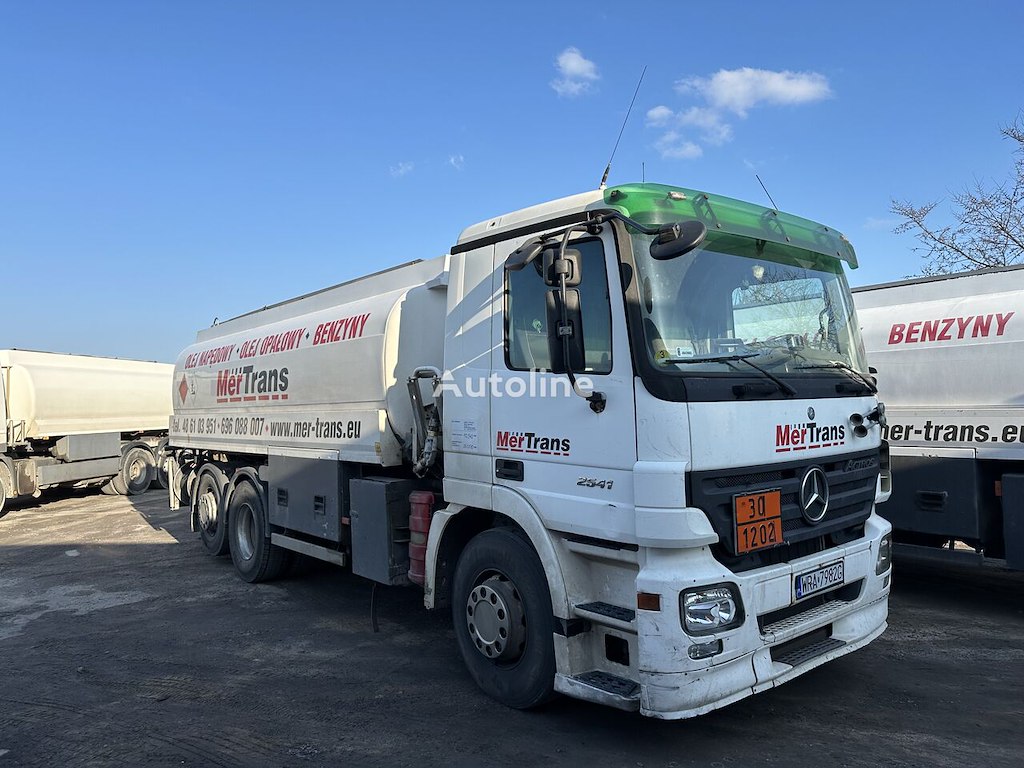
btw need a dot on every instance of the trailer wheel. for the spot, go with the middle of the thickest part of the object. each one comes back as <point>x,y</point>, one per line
<point>6,486</point>
<point>503,620</point>
<point>136,473</point>
<point>212,518</point>
<point>255,558</point>
<point>162,459</point>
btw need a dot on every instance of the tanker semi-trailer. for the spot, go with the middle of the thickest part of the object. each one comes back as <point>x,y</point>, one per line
<point>950,356</point>
<point>75,420</point>
<point>627,437</point>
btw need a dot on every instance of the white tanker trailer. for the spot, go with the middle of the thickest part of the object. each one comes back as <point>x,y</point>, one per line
<point>950,357</point>
<point>626,436</point>
<point>79,421</point>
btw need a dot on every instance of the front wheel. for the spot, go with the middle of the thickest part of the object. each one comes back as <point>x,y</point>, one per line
<point>501,608</point>
<point>255,558</point>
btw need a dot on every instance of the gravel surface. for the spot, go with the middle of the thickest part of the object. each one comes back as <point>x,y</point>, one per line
<point>122,642</point>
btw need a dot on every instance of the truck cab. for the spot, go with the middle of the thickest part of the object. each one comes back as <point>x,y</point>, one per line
<point>714,517</point>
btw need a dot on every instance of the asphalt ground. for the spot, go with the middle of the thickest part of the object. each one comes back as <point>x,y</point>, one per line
<point>123,643</point>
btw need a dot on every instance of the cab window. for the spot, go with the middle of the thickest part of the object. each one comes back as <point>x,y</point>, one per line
<point>526,321</point>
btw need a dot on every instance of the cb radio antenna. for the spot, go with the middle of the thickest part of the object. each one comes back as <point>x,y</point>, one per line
<point>766,191</point>
<point>608,167</point>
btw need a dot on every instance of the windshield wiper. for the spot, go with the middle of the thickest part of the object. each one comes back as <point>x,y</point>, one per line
<point>849,370</point>
<point>744,358</point>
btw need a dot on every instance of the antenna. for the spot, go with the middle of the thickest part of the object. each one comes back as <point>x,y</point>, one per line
<point>608,167</point>
<point>766,191</point>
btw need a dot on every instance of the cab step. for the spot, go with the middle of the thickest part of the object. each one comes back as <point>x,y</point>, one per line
<point>602,688</point>
<point>795,654</point>
<point>608,615</point>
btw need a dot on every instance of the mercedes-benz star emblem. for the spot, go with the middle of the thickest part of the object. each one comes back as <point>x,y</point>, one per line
<point>810,414</point>
<point>814,495</point>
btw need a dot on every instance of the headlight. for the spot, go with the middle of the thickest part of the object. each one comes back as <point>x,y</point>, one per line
<point>710,609</point>
<point>884,561</point>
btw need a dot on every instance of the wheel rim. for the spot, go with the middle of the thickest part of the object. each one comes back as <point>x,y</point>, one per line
<point>496,619</point>
<point>246,531</point>
<point>208,511</point>
<point>136,470</point>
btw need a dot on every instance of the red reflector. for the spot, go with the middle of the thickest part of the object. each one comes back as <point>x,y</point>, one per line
<point>647,601</point>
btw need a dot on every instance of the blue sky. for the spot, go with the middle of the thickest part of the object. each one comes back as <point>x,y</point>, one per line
<point>163,163</point>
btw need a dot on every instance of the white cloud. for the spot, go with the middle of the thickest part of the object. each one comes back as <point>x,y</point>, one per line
<point>729,92</point>
<point>673,146</point>
<point>401,169</point>
<point>659,116</point>
<point>456,161</point>
<point>740,90</point>
<point>713,129</point>
<point>577,74</point>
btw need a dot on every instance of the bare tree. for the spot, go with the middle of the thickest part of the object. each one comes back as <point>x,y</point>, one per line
<point>988,228</point>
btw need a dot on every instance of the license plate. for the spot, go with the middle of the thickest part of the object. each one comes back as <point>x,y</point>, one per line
<point>758,520</point>
<point>807,584</point>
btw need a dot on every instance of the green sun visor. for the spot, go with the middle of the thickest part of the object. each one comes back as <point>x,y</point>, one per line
<point>660,204</point>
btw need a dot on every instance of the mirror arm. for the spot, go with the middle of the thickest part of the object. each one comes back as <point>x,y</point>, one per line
<point>597,400</point>
<point>601,218</point>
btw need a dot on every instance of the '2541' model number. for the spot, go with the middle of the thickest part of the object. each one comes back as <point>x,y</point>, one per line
<point>593,482</point>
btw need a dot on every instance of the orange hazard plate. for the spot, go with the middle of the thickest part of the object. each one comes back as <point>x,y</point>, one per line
<point>758,520</point>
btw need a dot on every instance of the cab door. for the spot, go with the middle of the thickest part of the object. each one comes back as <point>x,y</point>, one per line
<point>573,465</point>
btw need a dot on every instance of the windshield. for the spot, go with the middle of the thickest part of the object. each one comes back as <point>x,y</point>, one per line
<point>785,309</point>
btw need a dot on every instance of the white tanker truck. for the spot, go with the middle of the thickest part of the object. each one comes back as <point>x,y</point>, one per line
<point>74,420</point>
<point>626,436</point>
<point>949,351</point>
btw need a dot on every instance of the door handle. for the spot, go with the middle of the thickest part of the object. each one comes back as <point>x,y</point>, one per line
<point>508,469</point>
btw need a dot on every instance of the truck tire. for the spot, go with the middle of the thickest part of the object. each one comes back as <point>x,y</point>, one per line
<point>211,516</point>
<point>503,619</point>
<point>162,458</point>
<point>255,558</point>
<point>6,486</point>
<point>136,473</point>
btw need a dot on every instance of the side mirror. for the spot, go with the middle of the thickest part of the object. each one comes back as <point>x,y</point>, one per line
<point>570,265</point>
<point>557,332</point>
<point>676,239</point>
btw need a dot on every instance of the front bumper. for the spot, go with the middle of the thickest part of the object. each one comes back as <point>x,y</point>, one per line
<point>775,643</point>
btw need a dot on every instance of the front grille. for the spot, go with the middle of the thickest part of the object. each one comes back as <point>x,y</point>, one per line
<point>851,479</point>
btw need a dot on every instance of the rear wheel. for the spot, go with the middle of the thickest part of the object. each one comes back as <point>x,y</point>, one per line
<point>255,558</point>
<point>136,473</point>
<point>211,516</point>
<point>503,619</point>
<point>162,460</point>
<point>6,486</point>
